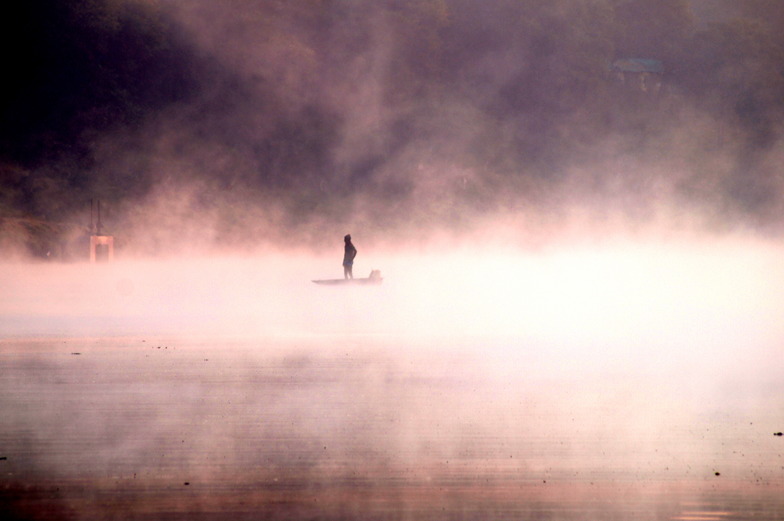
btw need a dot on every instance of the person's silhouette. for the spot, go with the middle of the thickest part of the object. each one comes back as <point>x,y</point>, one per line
<point>348,258</point>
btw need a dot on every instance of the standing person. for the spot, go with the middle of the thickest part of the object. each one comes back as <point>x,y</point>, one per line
<point>348,258</point>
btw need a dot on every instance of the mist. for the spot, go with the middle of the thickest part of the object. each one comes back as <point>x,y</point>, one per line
<point>580,307</point>
<point>648,305</point>
<point>562,370</point>
<point>245,124</point>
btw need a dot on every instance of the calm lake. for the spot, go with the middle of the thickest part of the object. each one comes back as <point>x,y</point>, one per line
<point>617,383</point>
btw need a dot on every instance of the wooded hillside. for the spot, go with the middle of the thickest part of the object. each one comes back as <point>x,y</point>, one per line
<point>410,113</point>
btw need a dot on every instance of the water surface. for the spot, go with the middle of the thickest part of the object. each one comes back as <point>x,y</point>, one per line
<point>611,384</point>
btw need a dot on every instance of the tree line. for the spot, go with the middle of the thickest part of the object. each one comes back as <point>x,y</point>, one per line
<point>313,102</point>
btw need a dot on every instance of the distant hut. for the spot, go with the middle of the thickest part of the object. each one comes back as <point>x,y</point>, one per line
<point>639,74</point>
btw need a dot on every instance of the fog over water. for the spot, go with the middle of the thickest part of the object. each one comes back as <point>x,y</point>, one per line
<point>644,364</point>
<point>616,292</point>
<point>701,308</point>
<point>580,316</point>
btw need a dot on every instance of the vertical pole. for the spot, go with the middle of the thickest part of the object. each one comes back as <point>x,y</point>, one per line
<point>99,225</point>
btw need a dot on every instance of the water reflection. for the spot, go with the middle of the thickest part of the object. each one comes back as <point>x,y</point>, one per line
<point>324,429</point>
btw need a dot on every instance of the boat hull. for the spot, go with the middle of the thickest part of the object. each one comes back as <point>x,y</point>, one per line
<point>349,282</point>
<point>373,280</point>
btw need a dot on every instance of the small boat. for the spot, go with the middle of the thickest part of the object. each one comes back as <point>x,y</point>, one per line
<point>373,279</point>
